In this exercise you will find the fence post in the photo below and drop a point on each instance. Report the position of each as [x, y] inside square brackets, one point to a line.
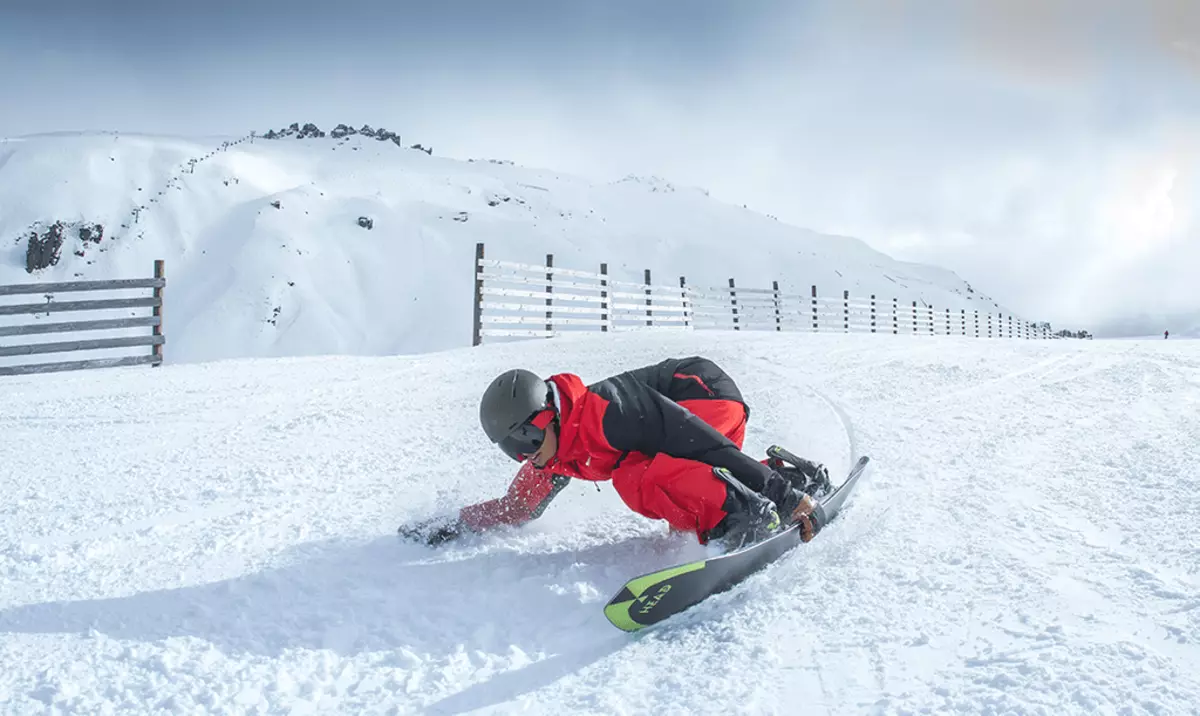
[157, 350]
[915, 324]
[932, 326]
[1010, 326]
[604, 298]
[687, 321]
[549, 290]
[964, 321]
[846, 310]
[872, 313]
[947, 321]
[814, 308]
[989, 324]
[778, 318]
[895, 316]
[649, 310]
[477, 334]
[733, 303]
[976, 322]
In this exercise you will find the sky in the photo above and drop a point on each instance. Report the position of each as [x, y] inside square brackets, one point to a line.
[1046, 150]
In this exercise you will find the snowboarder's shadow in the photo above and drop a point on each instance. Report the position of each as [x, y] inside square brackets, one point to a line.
[385, 595]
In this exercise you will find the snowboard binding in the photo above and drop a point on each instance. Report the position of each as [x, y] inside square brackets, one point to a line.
[806, 476]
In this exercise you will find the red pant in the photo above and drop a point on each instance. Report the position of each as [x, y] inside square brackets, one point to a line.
[685, 493]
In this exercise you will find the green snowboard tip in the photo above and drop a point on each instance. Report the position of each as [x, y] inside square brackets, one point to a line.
[619, 612]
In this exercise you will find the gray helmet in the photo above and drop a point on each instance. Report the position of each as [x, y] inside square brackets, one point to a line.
[507, 405]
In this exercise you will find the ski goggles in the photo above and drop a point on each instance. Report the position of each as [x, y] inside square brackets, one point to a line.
[527, 439]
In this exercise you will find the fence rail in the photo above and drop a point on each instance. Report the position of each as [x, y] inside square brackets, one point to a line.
[155, 340]
[547, 300]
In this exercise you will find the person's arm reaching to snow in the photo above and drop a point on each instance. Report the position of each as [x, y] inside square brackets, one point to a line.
[530, 492]
[527, 497]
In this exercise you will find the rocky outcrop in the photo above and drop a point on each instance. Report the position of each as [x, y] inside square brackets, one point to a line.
[342, 131]
[308, 131]
[44, 248]
[91, 233]
[45, 245]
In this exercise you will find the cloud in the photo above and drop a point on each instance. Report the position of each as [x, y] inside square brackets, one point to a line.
[1039, 40]
[1045, 150]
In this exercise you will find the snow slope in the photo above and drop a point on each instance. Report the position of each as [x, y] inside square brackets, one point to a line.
[219, 538]
[248, 279]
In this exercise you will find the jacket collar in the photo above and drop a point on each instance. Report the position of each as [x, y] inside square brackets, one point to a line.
[569, 392]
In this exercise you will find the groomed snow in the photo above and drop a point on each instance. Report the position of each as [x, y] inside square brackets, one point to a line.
[219, 538]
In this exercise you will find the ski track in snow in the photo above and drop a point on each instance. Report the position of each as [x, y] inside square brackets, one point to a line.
[219, 538]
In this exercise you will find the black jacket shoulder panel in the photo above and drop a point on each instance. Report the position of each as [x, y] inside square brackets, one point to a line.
[642, 419]
[691, 378]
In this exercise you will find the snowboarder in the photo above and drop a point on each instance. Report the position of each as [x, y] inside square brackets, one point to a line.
[668, 435]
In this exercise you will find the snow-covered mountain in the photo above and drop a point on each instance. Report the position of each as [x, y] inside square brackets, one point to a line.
[356, 242]
[220, 539]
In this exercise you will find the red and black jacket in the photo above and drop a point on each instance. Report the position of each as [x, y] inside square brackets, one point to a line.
[637, 411]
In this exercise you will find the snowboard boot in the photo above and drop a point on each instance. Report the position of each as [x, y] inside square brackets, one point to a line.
[749, 516]
[809, 477]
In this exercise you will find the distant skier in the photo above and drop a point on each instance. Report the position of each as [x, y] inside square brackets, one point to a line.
[668, 435]
[1166, 335]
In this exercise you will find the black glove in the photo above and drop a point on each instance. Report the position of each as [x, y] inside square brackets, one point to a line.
[432, 532]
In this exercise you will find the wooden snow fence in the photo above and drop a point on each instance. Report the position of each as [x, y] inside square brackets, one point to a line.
[518, 300]
[118, 315]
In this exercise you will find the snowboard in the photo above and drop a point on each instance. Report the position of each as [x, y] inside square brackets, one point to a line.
[653, 597]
